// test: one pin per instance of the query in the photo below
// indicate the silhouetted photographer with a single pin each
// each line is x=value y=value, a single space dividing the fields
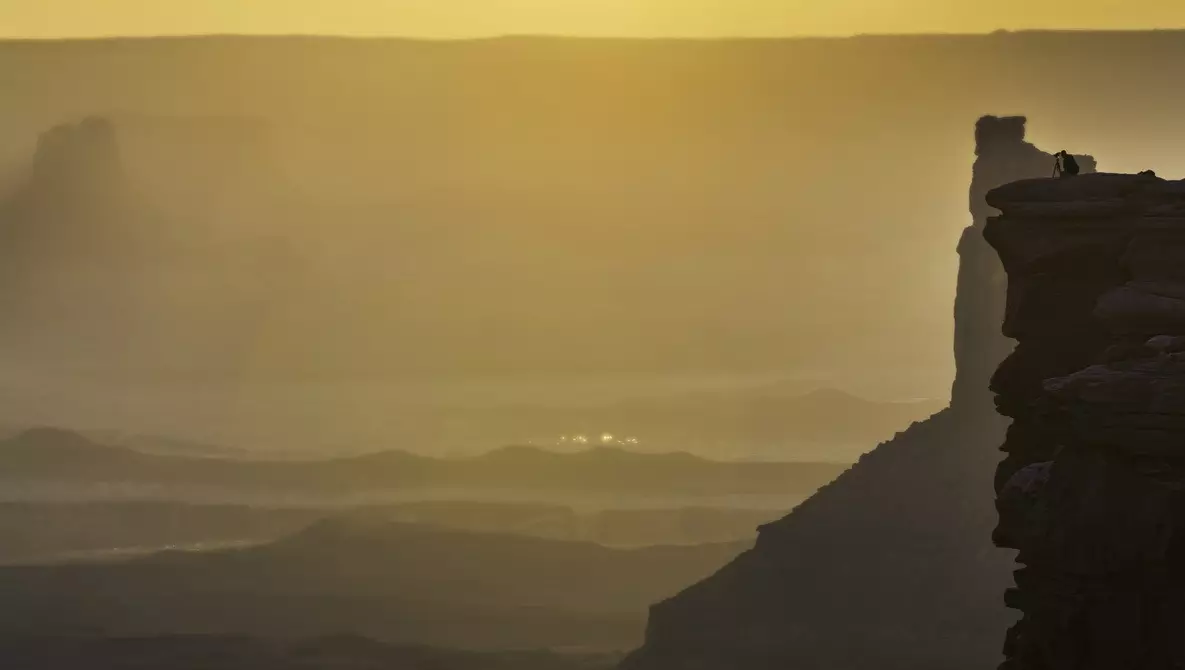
x=1064 y=165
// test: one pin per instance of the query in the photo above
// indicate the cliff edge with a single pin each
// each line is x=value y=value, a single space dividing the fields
x=1092 y=493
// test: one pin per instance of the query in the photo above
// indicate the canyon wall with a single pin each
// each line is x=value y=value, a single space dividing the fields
x=890 y=565
x=1092 y=492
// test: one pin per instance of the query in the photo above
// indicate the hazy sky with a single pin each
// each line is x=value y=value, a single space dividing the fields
x=462 y=18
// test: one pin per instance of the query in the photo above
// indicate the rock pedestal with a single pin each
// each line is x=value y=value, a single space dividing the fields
x=1001 y=156
x=1092 y=491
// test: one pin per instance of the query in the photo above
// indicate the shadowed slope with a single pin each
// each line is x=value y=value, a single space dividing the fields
x=398 y=582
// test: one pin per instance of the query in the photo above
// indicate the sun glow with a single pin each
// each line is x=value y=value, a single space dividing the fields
x=627 y=18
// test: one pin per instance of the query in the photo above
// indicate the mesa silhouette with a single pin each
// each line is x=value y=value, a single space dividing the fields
x=49 y=457
x=57 y=532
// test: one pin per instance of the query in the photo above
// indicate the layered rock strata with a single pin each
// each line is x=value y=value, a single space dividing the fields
x=1092 y=491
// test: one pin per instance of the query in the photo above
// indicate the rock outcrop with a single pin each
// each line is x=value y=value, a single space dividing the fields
x=889 y=566
x=1002 y=156
x=1092 y=492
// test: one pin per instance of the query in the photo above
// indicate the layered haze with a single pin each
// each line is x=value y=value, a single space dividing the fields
x=306 y=242
x=495 y=344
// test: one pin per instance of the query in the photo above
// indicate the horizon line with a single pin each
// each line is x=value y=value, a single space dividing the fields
x=574 y=37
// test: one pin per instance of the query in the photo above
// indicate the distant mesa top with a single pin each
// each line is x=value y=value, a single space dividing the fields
x=1064 y=165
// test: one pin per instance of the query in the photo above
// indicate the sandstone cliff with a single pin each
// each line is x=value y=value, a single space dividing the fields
x=1092 y=490
x=890 y=565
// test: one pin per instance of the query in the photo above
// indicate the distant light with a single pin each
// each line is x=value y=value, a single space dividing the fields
x=606 y=438
x=563 y=438
x=580 y=439
x=631 y=440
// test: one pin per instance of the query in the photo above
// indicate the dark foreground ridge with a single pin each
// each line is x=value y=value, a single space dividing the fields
x=1093 y=488
x=199 y=652
x=396 y=583
x=889 y=566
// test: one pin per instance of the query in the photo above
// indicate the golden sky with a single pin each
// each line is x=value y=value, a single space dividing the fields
x=466 y=18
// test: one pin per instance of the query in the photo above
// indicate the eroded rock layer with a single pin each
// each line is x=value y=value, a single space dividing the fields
x=1092 y=491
